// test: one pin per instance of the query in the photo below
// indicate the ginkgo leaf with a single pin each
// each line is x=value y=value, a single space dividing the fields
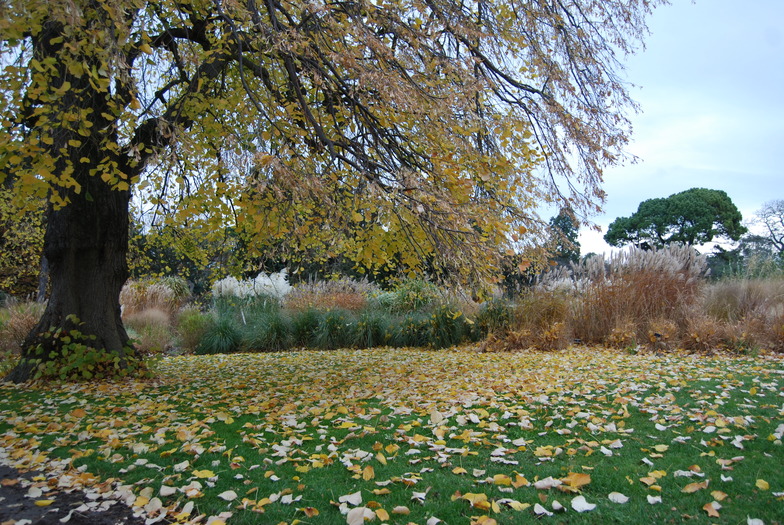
x=358 y=516
x=694 y=487
x=617 y=497
x=581 y=505
x=762 y=484
x=352 y=499
x=712 y=509
x=228 y=495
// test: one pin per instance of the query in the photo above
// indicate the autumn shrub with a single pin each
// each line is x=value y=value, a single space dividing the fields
x=412 y=330
x=304 y=326
x=495 y=316
x=703 y=333
x=661 y=334
x=448 y=327
x=192 y=324
x=167 y=294
x=342 y=294
x=336 y=329
x=270 y=332
x=633 y=284
x=412 y=295
x=222 y=336
x=152 y=330
x=623 y=334
x=373 y=328
x=20 y=319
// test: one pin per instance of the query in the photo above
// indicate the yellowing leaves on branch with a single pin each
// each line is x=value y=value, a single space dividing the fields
x=400 y=134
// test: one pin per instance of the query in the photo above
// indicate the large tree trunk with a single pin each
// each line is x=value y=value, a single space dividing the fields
x=86 y=241
x=86 y=245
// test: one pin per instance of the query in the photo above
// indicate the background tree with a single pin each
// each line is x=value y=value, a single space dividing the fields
x=565 y=246
x=394 y=132
x=694 y=216
x=771 y=217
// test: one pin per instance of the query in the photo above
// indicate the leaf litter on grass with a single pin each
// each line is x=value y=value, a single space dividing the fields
x=407 y=435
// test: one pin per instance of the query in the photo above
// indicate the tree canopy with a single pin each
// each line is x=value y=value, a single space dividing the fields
x=694 y=216
x=391 y=131
x=771 y=217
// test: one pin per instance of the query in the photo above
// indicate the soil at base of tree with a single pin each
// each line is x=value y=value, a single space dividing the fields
x=16 y=506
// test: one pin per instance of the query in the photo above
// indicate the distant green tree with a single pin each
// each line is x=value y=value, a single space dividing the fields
x=564 y=228
x=694 y=216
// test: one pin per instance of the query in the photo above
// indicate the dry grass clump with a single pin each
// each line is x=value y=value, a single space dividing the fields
x=703 y=333
x=623 y=335
x=343 y=294
x=644 y=286
x=167 y=294
x=150 y=329
x=540 y=320
x=17 y=321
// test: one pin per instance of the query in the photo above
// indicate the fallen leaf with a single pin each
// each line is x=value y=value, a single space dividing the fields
x=694 y=487
x=228 y=495
x=762 y=484
x=712 y=509
x=580 y=505
x=617 y=497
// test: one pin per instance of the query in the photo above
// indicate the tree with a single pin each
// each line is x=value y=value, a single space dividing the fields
x=694 y=216
x=393 y=132
x=564 y=227
x=771 y=217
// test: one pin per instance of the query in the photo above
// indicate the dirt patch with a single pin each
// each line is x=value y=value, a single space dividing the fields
x=18 y=507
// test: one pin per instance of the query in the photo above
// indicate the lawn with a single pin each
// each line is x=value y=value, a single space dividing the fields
x=414 y=436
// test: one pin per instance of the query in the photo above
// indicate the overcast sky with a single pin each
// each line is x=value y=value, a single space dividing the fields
x=711 y=88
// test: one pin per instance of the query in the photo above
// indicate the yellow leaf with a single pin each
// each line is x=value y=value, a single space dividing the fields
x=44 y=502
x=202 y=474
x=459 y=470
x=718 y=495
x=762 y=484
x=401 y=509
x=381 y=492
x=661 y=448
x=381 y=459
x=502 y=479
x=694 y=487
x=310 y=511
x=520 y=481
x=368 y=473
x=382 y=514
x=711 y=509
x=576 y=480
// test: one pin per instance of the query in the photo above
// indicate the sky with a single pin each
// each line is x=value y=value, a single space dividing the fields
x=710 y=83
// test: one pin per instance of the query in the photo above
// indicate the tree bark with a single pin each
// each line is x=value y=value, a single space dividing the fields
x=86 y=245
x=86 y=240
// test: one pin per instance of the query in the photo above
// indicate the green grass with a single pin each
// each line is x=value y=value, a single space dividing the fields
x=306 y=425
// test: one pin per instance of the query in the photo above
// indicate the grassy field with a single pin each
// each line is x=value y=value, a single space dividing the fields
x=410 y=436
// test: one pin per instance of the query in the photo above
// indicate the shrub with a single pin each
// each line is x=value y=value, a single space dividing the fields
x=703 y=333
x=245 y=310
x=192 y=324
x=448 y=327
x=413 y=330
x=336 y=329
x=270 y=332
x=167 y=294
x=304 y=326
x=623 y=335
x=373 y=329
x=494 y=317
x=152 y=329
x=340 y=294
x=272 y=285
x=20 y=319
x=633 y=284
x=661 y=333
x=222 y=336
x=412 y=295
